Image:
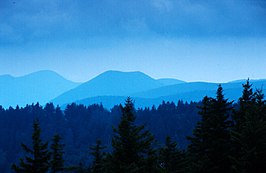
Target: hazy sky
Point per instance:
(192, 40)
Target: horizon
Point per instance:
(80, 82)
(215, 41)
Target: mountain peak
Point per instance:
(43, 73)
(119, 76)
(116, 72)
(111, 83)
(41, 86)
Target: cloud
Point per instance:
(212, 18)
(66, 19)
(162, 4)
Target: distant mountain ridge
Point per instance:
(112, 87)
(196, 86)
(110, 83)
(170, 81)
(109, 88)
(40, 86)
(244, 80)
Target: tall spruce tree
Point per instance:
(132, 150)
(210, 143)
(197, 146)
(37, 160)
(172, 159)
(249, 133)
(98, 158)
(57, 161)
(246, 102)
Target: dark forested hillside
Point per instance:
(213, 136)
(80, 126)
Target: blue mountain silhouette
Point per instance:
(40, 87)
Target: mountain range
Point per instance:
(109, 88)
(41, 86)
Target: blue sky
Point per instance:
(192, 40)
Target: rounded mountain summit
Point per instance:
(113, 83)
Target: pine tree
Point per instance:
(246, 101)
(132, 151)
(249, 133)
(197, 146)
(38, 162)
(81, 168)
(210, 143)
(98, 157)
(57, 162)
(172, 159)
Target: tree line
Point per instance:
(227, 138)
(80, 126)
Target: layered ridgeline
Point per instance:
(109, 88)
(112, 87)
(110, 83)
(40, 87)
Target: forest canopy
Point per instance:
(214, 135)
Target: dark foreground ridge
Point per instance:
(227, 137)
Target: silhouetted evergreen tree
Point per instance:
(81, 169)
(197, 146)
(132, 151)
(57, 161)
(38, 162)
(249, 133)
(81, 125)
(246, 102)
(210, 143)
(98, 158)
(172, 159)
